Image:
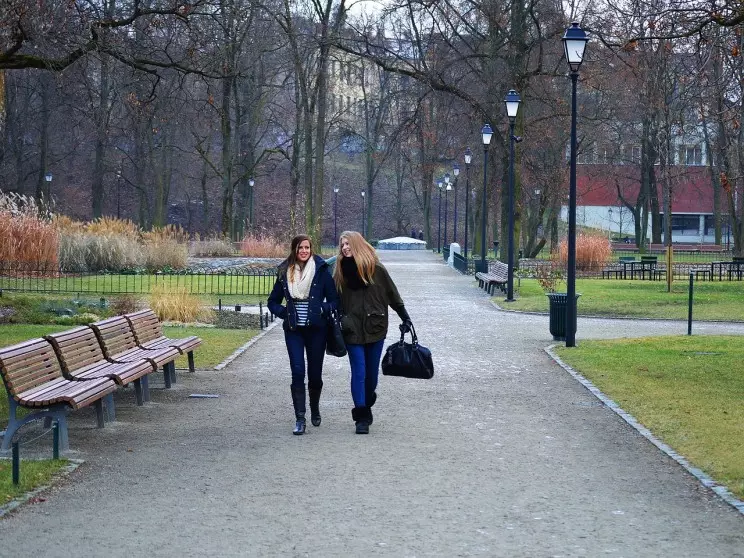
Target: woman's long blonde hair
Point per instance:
(364, 256)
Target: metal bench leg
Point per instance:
(172, 368)
(110, 407)
(99, 413)
(166, 376)
(138, 392)
(64, 439)
(190, 356)
(145, 387)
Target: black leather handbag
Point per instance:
(335, 345)
(408, 360)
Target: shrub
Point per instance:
(263, 247)
(549, 274)
(177, 305)
(27, 233)
(592, 250)
(123, 304)
(76, 319)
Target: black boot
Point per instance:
(371, 398)
(361, 416)
(298, 400)
(314, 405)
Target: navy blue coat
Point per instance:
(322, 298)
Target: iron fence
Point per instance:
(44, 278)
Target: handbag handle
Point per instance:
(414, 337)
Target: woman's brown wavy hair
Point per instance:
(364, 256)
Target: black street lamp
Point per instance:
(468, 159)
(456, 172)
(335, 215)
(486, 134)
(511, 101)
(48, 179)
(118, 194)
(447, 189)
(439, 233)
(574, 43)
(363, 211)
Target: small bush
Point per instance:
(592, 250)
(177, 305)
(263, 247)
(123, 304)
(76, 319)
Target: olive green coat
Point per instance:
(365, 311)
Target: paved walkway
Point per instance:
(501, 454)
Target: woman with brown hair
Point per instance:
(366, 290)
(305, 282)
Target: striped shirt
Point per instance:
(302, 307)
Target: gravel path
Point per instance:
(501, 454)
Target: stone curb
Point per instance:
(703, 478)
(245, 347)
(71, 466)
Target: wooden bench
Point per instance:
(81, 358)
(119, 345)
(33, 379)
(497, 276)
(149, 335)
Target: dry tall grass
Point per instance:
(177, 305)
(592, 251)
(82, 251)
(106, 226)
(168, 232)
(27, 233)
(263, 247)
(211, 247)
(164, 253)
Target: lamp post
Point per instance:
(511, 101)
(468, 159)
(363, 212)
(118, 194)
(447, 189)
(439, 230)
(48, 179)
(456, 172)
(609, 228)
(574, 43)
(486, 134)
(335, 215)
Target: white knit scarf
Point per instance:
(300, 289)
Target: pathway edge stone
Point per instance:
(718, 489)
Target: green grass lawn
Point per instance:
(32, 474)
(689, 391)
(712, 300)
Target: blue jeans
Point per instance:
(310, 340)
(365, 368)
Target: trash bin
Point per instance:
(558, 311)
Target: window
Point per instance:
(585, 156)
(691, 155)
(604, 155)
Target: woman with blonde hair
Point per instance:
(305, 282)
(365, 290)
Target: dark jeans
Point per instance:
(310, 340)
(365, 368)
